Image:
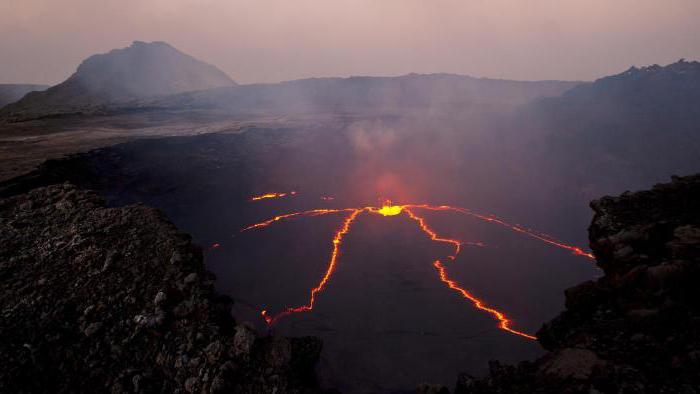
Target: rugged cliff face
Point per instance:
(97, 299)
(637, 328)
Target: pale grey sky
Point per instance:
(43, 41)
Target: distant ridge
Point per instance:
(635, 126)
(11, 92)
(652, 97)
(139, 71)
(363, 92)
(678, 79)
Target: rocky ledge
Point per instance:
(98, 299)
(637, 328)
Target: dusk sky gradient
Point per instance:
(43, 41)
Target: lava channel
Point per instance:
(515, 227)
(337, 241)
(389, 209)
(272, 195)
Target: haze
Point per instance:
(270, 40)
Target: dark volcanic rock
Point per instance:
(636, 329)
(98, 299)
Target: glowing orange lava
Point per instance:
(524, 230)
(504, 322)
(272, 195)
(433, 235)
(313, 212)
(337, 240)
(388, 209)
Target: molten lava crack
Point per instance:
(388, 209)
(272, 195)
(337, 240)
(504, 322)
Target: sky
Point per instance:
(43, 41)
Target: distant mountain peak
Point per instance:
(144, 43)
(141, 70)
(147, 69)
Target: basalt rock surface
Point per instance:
(637, 328)
(97, 299)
